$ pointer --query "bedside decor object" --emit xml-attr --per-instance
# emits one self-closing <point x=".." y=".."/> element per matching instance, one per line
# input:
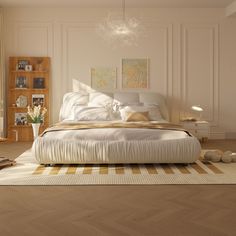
<point x="36" y="117"/>
<point x="21" y="101"/>
<point x="198" y="109"/>
<point x="38" y="83"/>
<point x="135" y="73"/>
<point x="21" y="93"/>
<point x="103" y="78"/>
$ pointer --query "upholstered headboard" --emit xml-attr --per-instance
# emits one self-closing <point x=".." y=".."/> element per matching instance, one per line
<point x="101" y="99"/>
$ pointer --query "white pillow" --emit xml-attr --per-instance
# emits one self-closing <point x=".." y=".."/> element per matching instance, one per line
<point x="81" y="87"/>
<point x="85" y="113"/>
<point x="153" y="112"/>
<point x="126" y="98"/>
<point x="98" y="99"/>
<point x="81" y="98"/>
<point x="69" y="101"/>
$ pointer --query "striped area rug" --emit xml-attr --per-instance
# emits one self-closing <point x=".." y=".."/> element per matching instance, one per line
<point x="28" y="172"/>
<point x="198" y="167"/>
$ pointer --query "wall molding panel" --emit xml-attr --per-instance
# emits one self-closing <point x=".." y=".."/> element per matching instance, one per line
<point x="66" y="29"/>
<point x="211" y="84"/>
<point x="33" y="29"/>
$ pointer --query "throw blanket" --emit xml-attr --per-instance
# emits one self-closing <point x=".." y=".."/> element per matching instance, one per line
<point x="141" y="125"/>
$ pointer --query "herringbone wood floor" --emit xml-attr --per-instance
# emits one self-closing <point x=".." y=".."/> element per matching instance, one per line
<point x="118" y="210"/>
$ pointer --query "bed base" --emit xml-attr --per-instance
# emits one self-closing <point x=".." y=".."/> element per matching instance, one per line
<point x="52" y="165"/>
<point x="48" y="165"/>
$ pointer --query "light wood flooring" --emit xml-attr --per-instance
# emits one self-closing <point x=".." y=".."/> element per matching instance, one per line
<point x="118" y="210"/>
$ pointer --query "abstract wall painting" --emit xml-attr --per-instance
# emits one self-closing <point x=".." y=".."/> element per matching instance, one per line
<point x="135" y="73"/>
<point x="103" y="78"/>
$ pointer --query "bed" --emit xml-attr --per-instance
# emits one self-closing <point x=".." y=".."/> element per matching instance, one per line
<point x="98" y="128"/>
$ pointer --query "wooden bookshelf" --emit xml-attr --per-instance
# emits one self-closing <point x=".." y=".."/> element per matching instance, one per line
<point x="28" y="82"/>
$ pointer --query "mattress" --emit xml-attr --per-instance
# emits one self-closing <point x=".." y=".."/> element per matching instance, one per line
<point x="116" y="145"/>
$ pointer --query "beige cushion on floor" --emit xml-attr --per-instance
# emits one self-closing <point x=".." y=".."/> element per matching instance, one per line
<point x="233" y="155"/>
<point x="227" y="157"/>
<point x="214" y="156"/>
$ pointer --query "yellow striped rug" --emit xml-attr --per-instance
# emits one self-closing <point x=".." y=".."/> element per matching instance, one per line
<point x="198" y="167"/>
<point x="28" y="172"/>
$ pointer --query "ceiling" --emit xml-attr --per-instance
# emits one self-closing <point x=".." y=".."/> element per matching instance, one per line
<point x="117" y="3"/>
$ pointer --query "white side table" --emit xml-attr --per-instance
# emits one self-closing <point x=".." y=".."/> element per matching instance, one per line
<point x="200" y="129"/>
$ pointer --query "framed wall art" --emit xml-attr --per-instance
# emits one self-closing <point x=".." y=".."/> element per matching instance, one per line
<point x="135" y="73"/>
<point x="103" y="78"/>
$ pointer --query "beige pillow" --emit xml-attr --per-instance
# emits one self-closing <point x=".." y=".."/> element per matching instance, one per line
<point x="137" y="116"/>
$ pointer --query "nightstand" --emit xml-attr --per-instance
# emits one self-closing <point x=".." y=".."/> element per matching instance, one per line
<point x="200" y="129"/>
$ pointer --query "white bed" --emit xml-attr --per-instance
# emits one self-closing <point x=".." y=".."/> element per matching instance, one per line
<point x="114" y="145"/>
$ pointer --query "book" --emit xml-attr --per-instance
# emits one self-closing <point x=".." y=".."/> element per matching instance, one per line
<point x="4" y="162"/>
<point x="3" y="159"/>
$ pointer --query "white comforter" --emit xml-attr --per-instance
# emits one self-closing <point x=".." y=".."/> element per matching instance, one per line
<point x="116" y="145"/>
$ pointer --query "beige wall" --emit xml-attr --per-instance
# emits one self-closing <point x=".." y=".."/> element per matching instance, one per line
<point x="192" y="54"/>
<point x="1" y="75"/>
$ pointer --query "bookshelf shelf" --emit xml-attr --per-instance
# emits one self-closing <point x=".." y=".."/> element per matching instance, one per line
<point x="33" y="86"/>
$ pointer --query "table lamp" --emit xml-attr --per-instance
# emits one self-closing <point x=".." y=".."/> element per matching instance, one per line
<point x="197" y="108"/>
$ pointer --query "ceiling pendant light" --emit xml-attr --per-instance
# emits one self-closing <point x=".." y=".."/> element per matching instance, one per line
<point x="120" y="29"/>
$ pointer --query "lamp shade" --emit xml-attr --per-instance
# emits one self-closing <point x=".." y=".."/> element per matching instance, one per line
<point x="196" y="108"/>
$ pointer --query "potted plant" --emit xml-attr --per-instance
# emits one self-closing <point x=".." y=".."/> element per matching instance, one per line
<point x="35" y="117"/>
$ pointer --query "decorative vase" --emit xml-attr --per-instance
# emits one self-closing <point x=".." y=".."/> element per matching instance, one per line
<point x="35" y="127"/>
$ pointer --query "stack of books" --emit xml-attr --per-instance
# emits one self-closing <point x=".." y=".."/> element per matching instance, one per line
<point x="4" y="162"/>
<point x="3" y="139"/>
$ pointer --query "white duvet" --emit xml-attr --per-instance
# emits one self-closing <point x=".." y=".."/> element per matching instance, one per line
<point x="116" y="145"/>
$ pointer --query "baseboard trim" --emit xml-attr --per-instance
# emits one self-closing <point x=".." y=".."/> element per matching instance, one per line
<point x="217" y="135"/>
<point x="230" y="135"/>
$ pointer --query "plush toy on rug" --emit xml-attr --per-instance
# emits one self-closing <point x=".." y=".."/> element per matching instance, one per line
<point x="217" y="155"/>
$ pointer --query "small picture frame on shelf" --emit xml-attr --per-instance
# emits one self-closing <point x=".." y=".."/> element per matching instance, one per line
<point x="21" y="101"/>
<point x="22" y="64"/>
<point x="38" y="99"/>
<point x="21" y="82"/>
<point x="20" y="118"/>
<point x="28" y="67"/>
<point x="39" y="83"/>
